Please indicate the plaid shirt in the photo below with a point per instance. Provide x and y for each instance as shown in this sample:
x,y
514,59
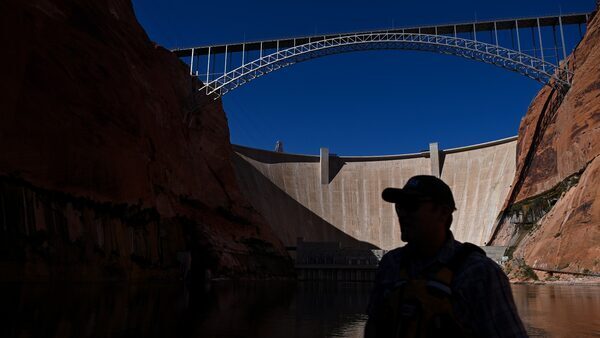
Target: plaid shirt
x,y
482,299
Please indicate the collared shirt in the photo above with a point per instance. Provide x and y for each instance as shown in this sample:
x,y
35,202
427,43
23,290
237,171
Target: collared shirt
x,y
482,298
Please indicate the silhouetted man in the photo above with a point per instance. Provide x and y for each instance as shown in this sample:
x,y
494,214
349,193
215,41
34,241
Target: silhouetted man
x,y
435,286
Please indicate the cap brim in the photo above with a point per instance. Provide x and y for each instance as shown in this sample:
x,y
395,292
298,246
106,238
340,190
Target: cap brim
x,y
397,195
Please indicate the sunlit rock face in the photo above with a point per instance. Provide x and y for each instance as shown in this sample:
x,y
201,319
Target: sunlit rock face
x,y
553,215
111,162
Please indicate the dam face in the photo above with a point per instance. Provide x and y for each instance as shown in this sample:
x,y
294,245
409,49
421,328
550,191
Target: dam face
x,y
346,207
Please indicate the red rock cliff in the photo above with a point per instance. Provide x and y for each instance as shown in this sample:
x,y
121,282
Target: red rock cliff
x,y
111,162
553,213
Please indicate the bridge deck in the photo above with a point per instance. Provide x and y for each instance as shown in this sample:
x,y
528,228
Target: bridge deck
x,y
451,28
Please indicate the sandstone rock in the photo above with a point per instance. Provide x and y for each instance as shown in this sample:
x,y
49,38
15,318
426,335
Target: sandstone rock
x,y
557,171
112,149
569,236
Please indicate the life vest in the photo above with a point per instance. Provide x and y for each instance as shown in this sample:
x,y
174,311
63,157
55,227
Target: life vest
x,y
422,306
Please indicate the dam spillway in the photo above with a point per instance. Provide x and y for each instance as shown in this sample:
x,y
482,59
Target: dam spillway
x,y
346,207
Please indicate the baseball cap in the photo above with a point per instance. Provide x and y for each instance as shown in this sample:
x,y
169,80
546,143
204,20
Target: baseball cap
x,y
421,187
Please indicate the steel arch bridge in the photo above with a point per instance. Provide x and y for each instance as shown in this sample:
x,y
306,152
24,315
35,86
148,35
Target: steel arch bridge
x,y
529,58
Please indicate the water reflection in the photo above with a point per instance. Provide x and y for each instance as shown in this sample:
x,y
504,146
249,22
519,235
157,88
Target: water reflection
x,y
249,309
559,310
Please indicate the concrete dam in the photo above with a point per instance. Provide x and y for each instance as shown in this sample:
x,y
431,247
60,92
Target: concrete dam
x,y
330,198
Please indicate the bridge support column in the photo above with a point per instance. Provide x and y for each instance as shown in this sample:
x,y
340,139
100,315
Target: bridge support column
x,y
562,39
192,63
518,39
541,44
434,156
208,69
324,166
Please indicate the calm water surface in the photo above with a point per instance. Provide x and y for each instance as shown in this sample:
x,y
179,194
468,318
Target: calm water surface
x,y
250,309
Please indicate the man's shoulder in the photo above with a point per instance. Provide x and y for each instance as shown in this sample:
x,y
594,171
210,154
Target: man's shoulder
x,y
392,257
476,265
390,264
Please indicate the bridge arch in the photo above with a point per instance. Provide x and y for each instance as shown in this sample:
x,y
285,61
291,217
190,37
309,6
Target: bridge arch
x,y
524,64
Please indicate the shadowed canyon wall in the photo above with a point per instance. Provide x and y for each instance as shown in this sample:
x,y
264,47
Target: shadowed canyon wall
x,y
552,215
287,190
112,164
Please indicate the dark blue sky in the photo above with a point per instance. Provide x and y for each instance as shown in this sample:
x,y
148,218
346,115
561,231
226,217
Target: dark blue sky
x,y
363,103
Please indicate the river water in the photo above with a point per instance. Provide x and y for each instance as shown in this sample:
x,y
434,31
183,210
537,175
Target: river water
x,y
250,309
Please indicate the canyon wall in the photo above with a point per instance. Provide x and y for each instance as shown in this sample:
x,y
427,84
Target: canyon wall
x,y
287,190
112,165
552,215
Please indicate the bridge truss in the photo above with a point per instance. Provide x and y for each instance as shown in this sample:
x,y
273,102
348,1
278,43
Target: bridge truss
x,y
527,57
